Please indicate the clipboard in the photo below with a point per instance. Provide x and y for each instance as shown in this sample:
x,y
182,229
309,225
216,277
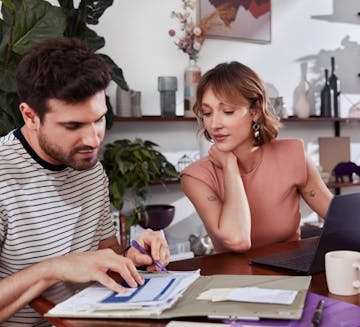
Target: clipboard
x,y
189,306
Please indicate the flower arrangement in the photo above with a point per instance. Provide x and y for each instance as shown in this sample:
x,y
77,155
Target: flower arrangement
x,y
191,36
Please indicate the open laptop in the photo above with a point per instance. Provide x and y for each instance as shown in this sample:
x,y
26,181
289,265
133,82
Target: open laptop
x,y
341,231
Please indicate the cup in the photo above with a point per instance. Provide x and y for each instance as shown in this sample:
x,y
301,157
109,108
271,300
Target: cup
x,y
136,103
123,102
167,86
343,272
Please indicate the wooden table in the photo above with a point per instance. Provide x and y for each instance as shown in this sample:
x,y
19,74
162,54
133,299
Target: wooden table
x,y
225,263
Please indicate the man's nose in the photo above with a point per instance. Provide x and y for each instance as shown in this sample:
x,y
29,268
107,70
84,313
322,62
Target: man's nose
x,y
92,136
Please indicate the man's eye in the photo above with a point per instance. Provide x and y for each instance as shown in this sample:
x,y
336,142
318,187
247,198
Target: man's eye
x,y
228,112
72,127
100,120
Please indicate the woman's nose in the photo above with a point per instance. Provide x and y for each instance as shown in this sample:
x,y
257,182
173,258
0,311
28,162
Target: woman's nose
x,y
216,121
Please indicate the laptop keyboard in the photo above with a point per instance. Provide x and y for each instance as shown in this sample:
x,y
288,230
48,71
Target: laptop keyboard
x,y
299,259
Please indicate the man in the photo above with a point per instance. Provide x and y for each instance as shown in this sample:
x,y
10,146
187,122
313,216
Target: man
x,y
55,221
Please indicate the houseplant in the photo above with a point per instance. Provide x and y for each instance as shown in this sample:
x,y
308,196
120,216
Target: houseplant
x,y
26,22
132,166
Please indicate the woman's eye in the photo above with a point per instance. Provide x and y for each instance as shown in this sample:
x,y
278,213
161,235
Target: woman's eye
x,y
206,114
228,112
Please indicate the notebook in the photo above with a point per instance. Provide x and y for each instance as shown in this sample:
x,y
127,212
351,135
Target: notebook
x,y
341,231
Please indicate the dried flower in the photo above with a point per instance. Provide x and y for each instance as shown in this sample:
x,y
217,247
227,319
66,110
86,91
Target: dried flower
x,y
191,36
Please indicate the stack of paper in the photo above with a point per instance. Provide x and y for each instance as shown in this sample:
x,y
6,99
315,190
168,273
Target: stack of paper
x,y
249,294
159,292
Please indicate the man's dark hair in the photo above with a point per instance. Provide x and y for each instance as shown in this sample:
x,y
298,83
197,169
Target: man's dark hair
x,y
63,69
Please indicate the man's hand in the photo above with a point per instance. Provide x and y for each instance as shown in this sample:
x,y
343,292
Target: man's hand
x,y
155,243
93,266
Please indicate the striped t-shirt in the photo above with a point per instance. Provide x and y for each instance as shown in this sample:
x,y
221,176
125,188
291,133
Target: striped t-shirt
x,y
46,211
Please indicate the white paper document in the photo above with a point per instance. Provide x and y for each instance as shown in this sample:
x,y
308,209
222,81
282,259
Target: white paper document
x,y
249,294
159,292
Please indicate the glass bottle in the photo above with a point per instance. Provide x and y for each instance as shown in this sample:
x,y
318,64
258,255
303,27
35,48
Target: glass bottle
x,y
301,105
192,74
335,85
327,98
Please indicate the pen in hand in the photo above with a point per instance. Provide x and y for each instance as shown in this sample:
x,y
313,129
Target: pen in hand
x,y
318,313
138,247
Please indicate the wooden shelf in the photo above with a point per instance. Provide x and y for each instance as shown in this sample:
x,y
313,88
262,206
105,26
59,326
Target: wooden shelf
x,y
330,185
321,119
333,185
184,119
154,119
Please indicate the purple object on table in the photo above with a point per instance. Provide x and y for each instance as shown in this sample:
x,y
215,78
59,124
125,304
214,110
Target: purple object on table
x,y
157,216
335,313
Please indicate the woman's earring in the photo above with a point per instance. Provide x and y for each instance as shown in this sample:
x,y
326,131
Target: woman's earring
x,y
256,130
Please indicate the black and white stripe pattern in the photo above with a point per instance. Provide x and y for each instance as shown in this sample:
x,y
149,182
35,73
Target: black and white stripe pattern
x,y
46,211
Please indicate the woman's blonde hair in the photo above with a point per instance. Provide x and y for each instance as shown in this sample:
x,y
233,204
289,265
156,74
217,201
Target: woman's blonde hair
x,y
236,83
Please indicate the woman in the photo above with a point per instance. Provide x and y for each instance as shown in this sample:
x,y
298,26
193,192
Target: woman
x,y
247,190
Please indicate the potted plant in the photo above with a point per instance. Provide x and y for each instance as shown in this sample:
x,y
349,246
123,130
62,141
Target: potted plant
x,y
132,166
26,22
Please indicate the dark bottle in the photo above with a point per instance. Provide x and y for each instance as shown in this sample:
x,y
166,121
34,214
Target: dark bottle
x,y
327,98
335,85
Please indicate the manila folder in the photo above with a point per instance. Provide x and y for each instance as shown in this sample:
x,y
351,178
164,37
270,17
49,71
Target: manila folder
x,y
189,306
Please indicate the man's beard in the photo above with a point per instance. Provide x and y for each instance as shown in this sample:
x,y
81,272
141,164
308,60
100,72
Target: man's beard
x,y
68,159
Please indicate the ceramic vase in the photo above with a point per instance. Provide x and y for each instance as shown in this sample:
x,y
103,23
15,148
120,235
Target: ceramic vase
x,y
192,74
301,105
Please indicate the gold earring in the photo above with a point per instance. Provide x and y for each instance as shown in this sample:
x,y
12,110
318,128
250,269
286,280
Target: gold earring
x,y
256,130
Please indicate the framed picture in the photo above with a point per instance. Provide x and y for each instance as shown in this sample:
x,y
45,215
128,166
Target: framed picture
x,y
247,20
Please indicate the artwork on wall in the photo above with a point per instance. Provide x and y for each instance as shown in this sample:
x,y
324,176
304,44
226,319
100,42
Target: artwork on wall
x,y
248,20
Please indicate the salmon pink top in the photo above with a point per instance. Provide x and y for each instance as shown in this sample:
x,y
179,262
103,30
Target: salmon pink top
x,y
271,188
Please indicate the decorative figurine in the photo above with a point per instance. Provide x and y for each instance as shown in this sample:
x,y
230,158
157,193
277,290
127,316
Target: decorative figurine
x,y
343,169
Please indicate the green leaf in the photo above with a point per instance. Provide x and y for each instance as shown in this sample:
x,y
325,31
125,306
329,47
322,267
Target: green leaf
x,y
9,4
10,116
109,117
67,5
92,10
117,73
4,31
35,21
7,81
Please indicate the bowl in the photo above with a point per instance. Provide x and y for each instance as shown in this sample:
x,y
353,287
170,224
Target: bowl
x,y
157,216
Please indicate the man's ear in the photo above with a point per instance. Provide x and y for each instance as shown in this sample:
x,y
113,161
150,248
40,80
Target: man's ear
x,y
31,119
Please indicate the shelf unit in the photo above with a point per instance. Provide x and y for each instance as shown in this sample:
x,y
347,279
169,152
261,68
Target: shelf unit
x,y
154,119
336,121
340,185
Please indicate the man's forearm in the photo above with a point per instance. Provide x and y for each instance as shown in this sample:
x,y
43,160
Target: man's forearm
x,y
20,288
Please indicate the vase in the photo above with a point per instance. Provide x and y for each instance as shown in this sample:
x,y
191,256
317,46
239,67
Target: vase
x,y
192,74
301,95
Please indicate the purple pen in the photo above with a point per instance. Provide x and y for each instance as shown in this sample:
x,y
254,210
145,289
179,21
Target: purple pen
x,y
138,247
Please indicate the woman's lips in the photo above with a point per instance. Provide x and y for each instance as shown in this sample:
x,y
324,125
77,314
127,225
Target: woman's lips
x,y
219,137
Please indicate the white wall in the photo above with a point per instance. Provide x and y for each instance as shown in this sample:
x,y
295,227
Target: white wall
x,y
136,38
136,34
